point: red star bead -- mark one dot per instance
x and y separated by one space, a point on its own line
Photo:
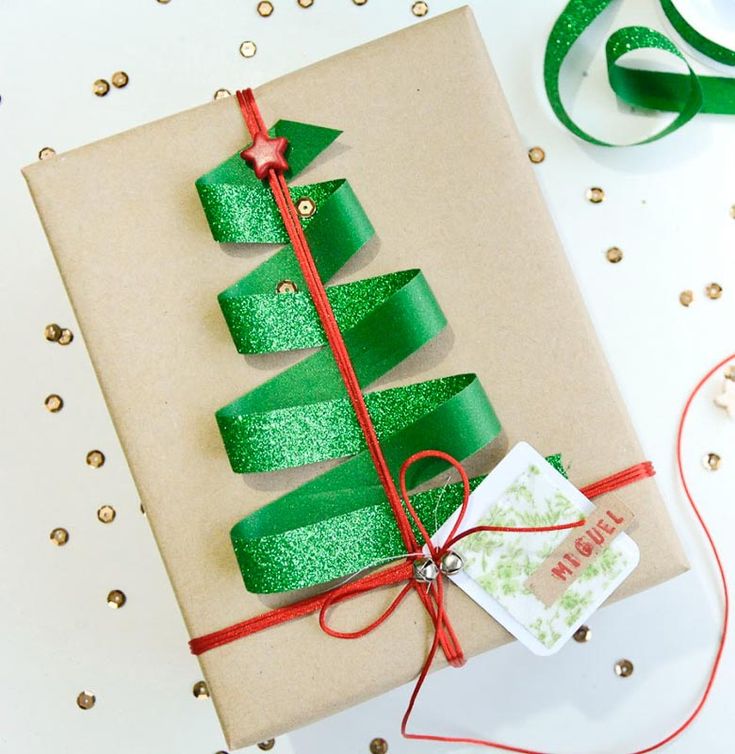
266 154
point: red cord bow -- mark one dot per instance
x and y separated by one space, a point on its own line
432 593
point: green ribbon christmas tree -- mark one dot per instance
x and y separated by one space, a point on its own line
339 522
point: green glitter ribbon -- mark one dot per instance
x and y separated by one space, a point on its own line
339 522
686 94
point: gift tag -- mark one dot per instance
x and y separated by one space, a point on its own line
541 586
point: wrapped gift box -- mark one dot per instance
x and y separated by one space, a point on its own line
432 153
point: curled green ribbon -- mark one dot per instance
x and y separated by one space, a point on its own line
339 522
686 94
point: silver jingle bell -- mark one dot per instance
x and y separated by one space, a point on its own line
425 570
452 564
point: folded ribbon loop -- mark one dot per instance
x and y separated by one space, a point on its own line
683 93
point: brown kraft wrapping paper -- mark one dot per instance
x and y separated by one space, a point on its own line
126 228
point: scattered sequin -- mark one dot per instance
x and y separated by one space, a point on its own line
65 337
286 286
378 746
52 332
100 87
595 195
614 254
583 634
54 403
200 690
686 298
305 3
267 745
106 514
265 8
713 291
420 8
248 49
116 599
59 536
711 461
536 155
86 700
222 94
623 668
46 153
95 458
359 2
305 206
120 79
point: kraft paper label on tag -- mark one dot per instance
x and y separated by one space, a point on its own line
580 549
515 576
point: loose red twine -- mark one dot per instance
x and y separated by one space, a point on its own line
267 159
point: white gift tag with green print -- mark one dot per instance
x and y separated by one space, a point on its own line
524 490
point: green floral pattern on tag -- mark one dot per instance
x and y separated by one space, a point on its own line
500 563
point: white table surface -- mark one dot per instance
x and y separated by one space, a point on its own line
667 206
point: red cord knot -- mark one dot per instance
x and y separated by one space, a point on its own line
266 154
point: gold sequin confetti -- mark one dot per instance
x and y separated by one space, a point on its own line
305 3
106 514
163 2
116 599
711 461
59 536
614 254
119 79
732 211
95 459
46 153
286 286
583 634
265 8
222 94
267 745
86 700
54 403
595 195
100 87
713 291
359 2
200 690
623 668
378 746
52 332
66 337
536 155
420 8
686 298
305 206
248 49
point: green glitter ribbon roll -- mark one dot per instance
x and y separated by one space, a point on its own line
339 522
686 94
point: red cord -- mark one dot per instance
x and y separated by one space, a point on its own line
725 621
290 217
